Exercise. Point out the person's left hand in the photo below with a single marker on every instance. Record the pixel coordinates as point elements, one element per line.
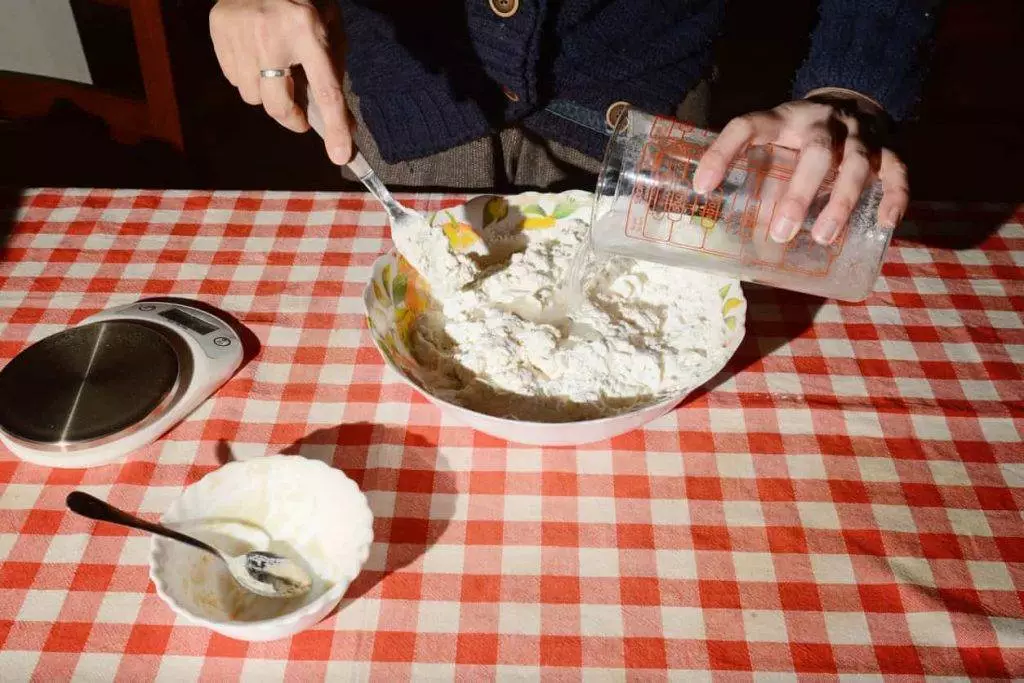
<point>829,131</point>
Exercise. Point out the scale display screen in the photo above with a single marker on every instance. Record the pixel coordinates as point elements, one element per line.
<point>187,321</point>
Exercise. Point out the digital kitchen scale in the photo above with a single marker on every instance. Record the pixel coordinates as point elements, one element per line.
<point>114,383</point>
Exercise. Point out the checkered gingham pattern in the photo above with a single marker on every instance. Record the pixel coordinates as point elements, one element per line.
<point>844,501</point>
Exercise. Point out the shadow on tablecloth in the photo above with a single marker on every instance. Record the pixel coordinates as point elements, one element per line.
<point>774,318</point>
<point>956,226</point>
<point>408,483</point>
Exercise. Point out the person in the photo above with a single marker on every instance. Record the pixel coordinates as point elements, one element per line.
<point>459,92</point>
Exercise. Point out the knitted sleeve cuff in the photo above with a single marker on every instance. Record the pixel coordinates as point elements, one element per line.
<point>874,47</point>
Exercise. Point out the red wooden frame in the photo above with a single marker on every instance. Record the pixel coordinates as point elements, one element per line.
<point>129,119</point>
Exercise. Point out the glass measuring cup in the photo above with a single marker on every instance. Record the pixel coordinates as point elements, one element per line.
<point>645,207</point>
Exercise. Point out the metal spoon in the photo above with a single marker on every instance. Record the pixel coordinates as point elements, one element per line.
<point>260,572</point>
<point>405,223</point>
<point>402,218</point>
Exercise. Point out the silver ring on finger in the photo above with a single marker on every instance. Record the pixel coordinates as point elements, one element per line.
<point>274,73</point>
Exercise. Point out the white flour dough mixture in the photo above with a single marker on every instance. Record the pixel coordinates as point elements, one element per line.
<point>642,332</point>
<point>428,251</point>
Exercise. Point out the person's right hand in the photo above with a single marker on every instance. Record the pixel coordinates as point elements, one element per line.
<point>251,35</point>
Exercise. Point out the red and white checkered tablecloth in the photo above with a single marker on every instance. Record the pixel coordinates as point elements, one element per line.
<point>845,499</point>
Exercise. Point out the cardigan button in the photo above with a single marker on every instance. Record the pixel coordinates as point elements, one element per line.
<point>504,8</point>
<point>615,111</point>
<point>509,93</point>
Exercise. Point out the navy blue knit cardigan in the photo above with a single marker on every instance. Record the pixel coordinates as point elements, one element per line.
<point>432,74</point>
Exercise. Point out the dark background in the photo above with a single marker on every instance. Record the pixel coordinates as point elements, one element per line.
<point>964,145</point>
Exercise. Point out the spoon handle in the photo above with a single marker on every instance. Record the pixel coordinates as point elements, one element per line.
<point>94,508</point>
<point>376,186</point>
<point>358,165</point>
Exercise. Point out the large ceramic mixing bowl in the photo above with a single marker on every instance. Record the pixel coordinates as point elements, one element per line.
<point>395,296</point>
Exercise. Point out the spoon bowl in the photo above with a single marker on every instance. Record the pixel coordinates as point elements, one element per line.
<point>269,574</point>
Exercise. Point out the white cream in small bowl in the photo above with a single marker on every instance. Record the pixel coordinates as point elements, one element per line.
<point>289,505</point>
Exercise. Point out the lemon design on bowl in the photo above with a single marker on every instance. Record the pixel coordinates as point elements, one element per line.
<point>536,218</point>
<point>398,298</point>
<point>460,235</point>
<point>730,303</point>
<point>495,209</point>
<point>539,223</point>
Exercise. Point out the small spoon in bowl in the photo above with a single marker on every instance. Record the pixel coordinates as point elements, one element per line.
<point>258,571</point>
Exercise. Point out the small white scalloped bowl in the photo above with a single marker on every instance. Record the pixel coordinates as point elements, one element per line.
<point>285,503</point>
